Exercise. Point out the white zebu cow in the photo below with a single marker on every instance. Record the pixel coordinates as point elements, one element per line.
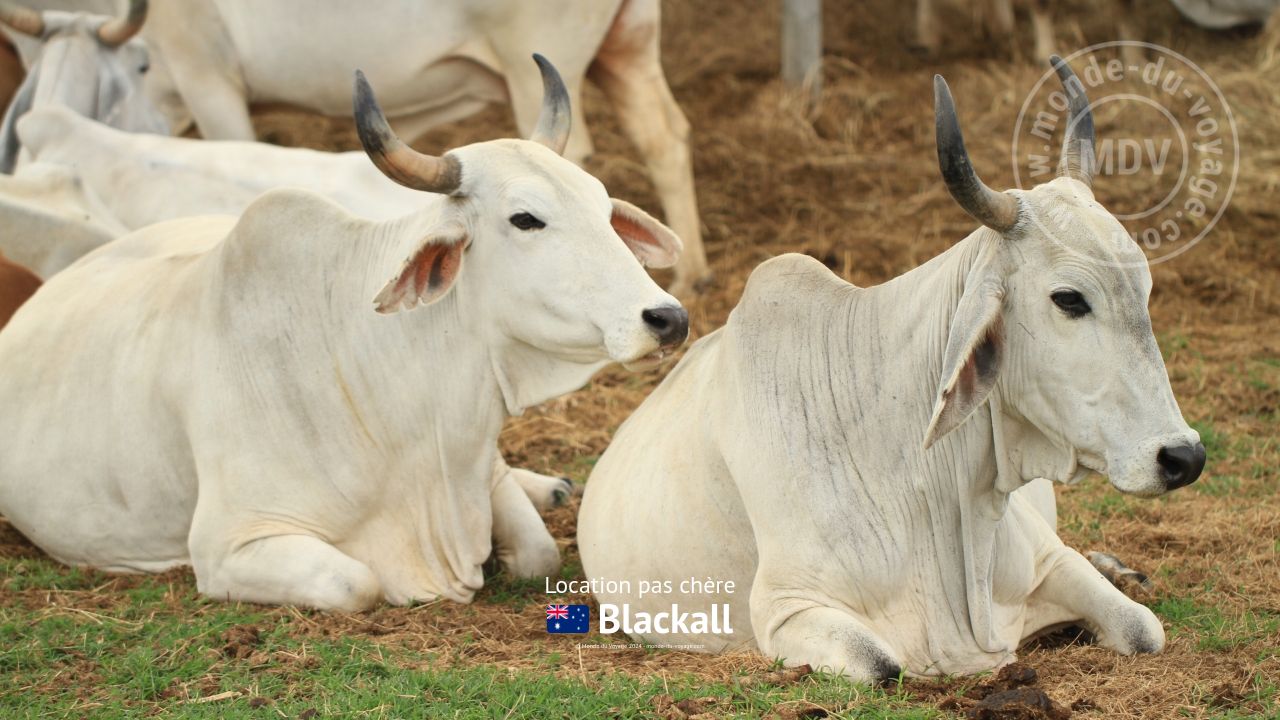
<point>48,219</point>
<point>221,392</point>
<point>436,61</point>
<point>856,460</point>
<point>1223,14</point>
<point>89,63</point>
<point>142,179</point>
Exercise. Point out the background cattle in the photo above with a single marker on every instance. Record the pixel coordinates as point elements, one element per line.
<point>868,465</point>
<point>437,62</point>
<point>1222,14</point>
<point>997,20</point>
<point>139,179</point>
<point>264,399</point>
<point>49,219</point>
<point>90,63</point>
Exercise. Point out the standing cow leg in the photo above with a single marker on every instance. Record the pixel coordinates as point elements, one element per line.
<point>520,539</point>
<point>928,37</point>
<point>525,88</point>
<point>824,638</point>
<point>628,68</point>
<point>282,570</point>
<point>1073,590</point>
<point>219,107</point>
<point>203,66</point>
<point>1042,26</point>
<point>1130,53</point>
<point>998,23</point>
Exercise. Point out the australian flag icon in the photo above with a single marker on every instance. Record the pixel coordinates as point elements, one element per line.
<point>568,619</point>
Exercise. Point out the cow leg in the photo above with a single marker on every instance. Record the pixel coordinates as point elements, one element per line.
<point>1073,590</point>
<point>203,66</point>
<point>544,491</point>
<point>219,108</point>
<point>832,640</point>
<point>1042,27</point>
<point>628,68</point>
<point>520,539</point>
<point>999,24</point>
<point>285,570</point>
<point>525,87</point>
<point>927,36</point>
<point>1132,55</point>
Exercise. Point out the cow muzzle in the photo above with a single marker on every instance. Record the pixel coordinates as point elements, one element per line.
<point>1180,465</point>
<point>669,324</point>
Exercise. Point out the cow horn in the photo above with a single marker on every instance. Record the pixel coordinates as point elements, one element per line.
<point>996,210</point>
<point>553,125</point>
<point>395,159</point>
<point>117,31</point>
<point>23,19</point>
<point>1077,147</point>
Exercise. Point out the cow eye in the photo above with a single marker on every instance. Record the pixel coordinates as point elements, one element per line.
<point>1071,302</point>
<point>143,68</point>
<point>525,221</point>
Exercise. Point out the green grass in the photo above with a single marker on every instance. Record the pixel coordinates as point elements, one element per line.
<point>1211,628</point>
<point>1214,441</point>
<point>1171,342</point>
<point>580,467</point>
<point>161,652</point>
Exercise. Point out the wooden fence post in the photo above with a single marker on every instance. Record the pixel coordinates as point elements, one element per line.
<point>802,45</point>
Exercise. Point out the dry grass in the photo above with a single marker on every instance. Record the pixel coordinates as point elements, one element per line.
<point>855,183</point>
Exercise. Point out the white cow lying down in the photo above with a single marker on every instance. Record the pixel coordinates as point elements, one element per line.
<point>49,219</point>
<point>91,63</point>
<point>784,452</point>
<point>221,392</point>
<point>143,179</point>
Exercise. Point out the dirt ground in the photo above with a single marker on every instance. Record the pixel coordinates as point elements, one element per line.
<point>855,183</point>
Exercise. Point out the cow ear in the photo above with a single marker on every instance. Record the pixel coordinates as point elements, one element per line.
<point>653,243</point>
<point>427,274</point>
<point>974,354</point>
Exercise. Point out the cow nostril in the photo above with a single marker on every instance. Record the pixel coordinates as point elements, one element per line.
<point>669,323</point>
<point>655,320</point>
<point>1180,464</point>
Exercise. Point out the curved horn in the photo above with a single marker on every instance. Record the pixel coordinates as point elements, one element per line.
<point>395,159</point>
<point>1077,147</point>
<point>996,210</point>
<point>117,31</point>
<point>23,19</point>
<point>556,119</point>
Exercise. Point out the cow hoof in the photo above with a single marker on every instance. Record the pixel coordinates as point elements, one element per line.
<point>561,494</point>
<point>887,672</point>
<point>1129,581</point>
<point>1138,632</point>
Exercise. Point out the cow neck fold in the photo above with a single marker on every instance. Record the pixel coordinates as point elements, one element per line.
<point>459,374</point>
<point>954,482</point>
